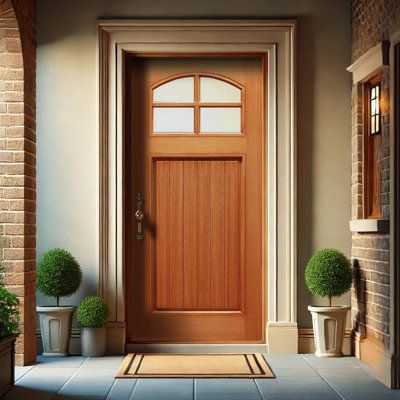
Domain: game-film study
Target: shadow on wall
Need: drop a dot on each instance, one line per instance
(80, 17)
(305, 160)
(359, 321)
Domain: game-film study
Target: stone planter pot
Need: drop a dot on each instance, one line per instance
(329, 326)
(93, 342)
(7, 363)
(55, 327)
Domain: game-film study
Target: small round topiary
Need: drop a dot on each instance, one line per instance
(58, 274)
(328, 273)
(93, 312)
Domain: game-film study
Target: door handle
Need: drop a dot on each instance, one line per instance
(139, 216)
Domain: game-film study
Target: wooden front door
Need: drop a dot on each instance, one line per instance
(194, 168)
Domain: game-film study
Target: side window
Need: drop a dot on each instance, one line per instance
(196, 104)
(372, 142)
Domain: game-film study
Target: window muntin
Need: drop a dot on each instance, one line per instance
(196, 104)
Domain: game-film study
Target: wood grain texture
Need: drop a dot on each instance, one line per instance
(197, 259)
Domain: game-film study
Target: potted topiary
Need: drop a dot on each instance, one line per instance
(92, 315)
(58, 275)
(9, 320)
(328, 274)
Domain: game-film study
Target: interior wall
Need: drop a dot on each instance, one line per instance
(67, 120)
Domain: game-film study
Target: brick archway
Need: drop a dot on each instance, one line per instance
(18, 163)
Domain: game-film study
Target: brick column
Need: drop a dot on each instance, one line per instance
(18, 163)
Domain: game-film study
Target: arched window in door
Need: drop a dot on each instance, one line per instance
(196, 104)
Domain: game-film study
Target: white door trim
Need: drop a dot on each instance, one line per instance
(277, 39)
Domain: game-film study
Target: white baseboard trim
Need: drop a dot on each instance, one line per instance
(282, 337)
(306, 341)
(195, 348)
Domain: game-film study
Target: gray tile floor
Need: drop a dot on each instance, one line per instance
(297, 377)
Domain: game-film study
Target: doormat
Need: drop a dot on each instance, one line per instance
(139, 365)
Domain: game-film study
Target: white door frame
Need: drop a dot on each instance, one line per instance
(276, 39)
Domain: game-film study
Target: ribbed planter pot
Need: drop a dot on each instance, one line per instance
(329, 325)
(7, 363)
(93, 342)
(55, 327)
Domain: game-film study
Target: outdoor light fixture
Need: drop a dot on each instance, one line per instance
(374, 110)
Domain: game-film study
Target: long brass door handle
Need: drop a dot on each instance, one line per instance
(139, 216)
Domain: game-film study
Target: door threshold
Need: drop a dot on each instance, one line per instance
(195, 348)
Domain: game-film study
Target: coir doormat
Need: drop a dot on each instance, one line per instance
(139, 365)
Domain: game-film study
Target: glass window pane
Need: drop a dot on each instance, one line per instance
(373, 107)
(179, 90)
(377, 91)
(217, 91)
(173, 120)
(372, 125)
(220, 120)
(373, 93)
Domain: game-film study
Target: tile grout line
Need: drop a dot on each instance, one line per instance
(305, 359)
(109, 390)
(133, 390)
(26, 373)
(75, 372)
(258, 389)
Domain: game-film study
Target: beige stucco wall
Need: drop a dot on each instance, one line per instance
(67, 119)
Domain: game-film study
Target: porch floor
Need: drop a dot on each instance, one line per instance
(297, 377)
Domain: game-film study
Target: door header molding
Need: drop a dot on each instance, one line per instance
(277, 40)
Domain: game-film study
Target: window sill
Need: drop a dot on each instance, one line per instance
(370, 225)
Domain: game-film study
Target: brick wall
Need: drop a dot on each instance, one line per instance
(18, 163)
(370, 252)
(372, 22)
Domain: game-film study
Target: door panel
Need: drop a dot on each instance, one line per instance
(197, 251)
(197, 276)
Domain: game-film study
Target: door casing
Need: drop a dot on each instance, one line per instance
(277, 40)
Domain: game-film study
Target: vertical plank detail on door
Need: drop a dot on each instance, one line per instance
(176, 235)
(217, 232)
(189, 241)
(204, 241)
(162, 210)
(197, 251)
(232, 233)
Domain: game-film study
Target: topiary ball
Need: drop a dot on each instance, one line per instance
(58, 274)
(328, 273)
(93, 312)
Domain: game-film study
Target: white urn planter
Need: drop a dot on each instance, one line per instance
(93, 341)
(329, 325)
(55, 327)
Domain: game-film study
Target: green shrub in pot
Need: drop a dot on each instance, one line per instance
(9, 312)
(9, 322)
(58, 275)
(329, 274)
(92, 315)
